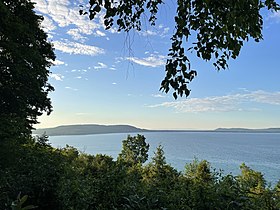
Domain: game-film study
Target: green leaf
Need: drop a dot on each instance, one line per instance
(23, 199)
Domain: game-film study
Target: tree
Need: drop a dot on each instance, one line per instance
(25, 56)
(199, 171)
(134, 150)
(219, 28)
(158, 172)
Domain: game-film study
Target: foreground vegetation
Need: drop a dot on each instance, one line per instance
(68, 179)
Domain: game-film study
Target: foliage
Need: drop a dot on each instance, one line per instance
(18, 203)
(199, 171)
(135, 150)
(25, 55)
(34, 172)
(66, 179)
(218, 30)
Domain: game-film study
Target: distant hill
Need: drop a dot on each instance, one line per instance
(246, 130)
(87, 129)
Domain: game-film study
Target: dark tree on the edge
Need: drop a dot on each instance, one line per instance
(25, 56)
(219, 27)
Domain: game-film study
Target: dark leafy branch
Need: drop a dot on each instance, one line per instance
(25, 58)
(220, 28)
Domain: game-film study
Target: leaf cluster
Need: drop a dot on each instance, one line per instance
(217, 28)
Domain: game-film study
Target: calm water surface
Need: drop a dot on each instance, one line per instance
(226, 151)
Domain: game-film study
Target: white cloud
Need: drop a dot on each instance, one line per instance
(58, 62)
(148, 33)
(48, 24)
(77, 48)
(100, 33)
(165, 31)
(114, 83)
(57, 77)
(64, 13)
(158, 96)
(100, 66)
(151, 61)
(261, 96)
(75, 34)
(225, 103)
(41, 5)
(70, 88)
(159, 30)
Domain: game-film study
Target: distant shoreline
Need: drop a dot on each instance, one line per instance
(91, 129)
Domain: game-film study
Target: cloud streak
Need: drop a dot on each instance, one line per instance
(151, 61)
(227, 103)
(100, 66)
(158, 96)
(70, 88)
(58, 62)
(57, 77)
(77, 48)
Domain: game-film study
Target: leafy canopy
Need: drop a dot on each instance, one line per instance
(219, 28)
(134, 150)
(25, 55)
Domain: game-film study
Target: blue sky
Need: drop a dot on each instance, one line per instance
(106, 77)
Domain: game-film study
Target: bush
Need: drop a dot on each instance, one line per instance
(66, 179)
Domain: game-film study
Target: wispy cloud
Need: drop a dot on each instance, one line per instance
(148, 33)
(275, 16)
(159, 30)
(76, 35)
(100, 66)
(57, 77)
(48, 25)
(227, 103)
(70, 88)
(79, 70)
(100, 33)
(158, 96)
(261, 96)
(77, 48)
(151, 61)
(58, 62)
(65, 13)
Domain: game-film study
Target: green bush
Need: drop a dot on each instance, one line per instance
(66, 179)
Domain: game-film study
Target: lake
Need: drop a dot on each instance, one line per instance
(226, 151)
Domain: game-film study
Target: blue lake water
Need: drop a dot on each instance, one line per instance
(226, 151)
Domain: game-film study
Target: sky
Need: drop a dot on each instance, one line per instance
(107, 77)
